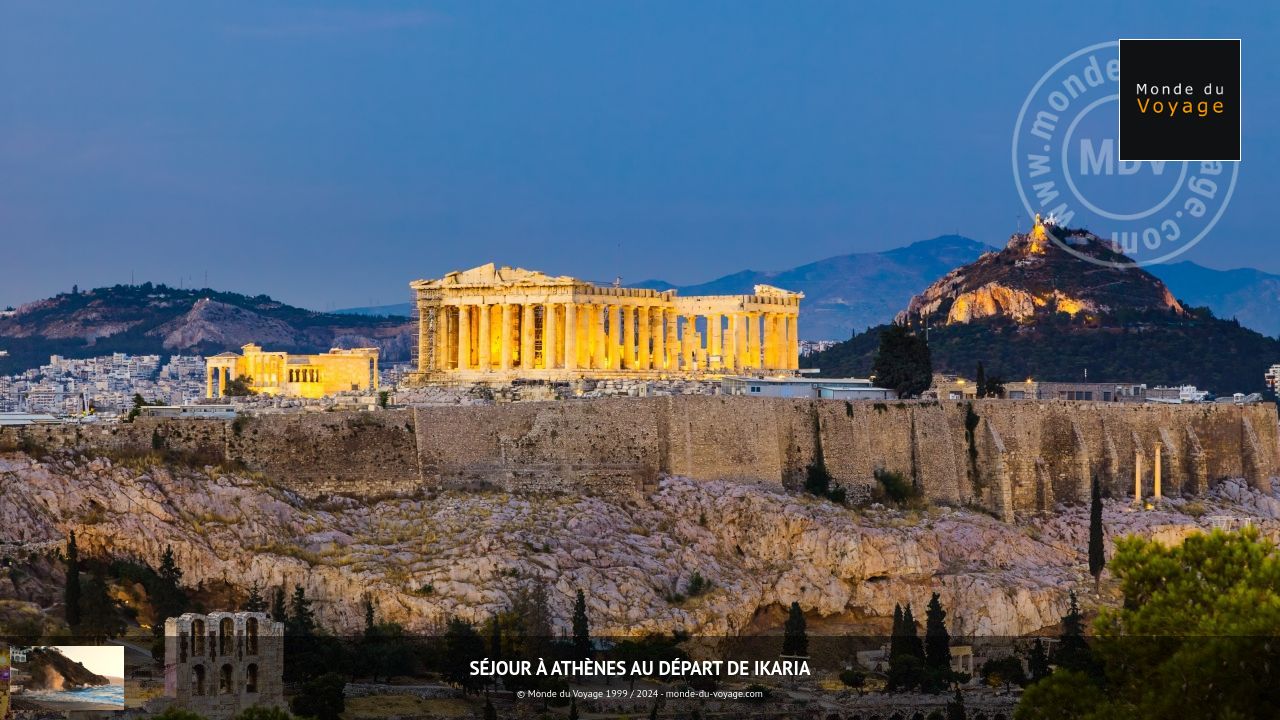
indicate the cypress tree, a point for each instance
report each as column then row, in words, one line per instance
column 1097, row 554
column 937, row 645
column 490, row 713
column 71, row 596
column 795, row 640
column 911, row 634
column 895, row 639
column 981, row 381
column 573, row 709
column 581, row 628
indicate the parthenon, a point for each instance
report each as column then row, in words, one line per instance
column 497, row 324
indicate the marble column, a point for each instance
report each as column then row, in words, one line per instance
column 549, row 340
column 730, row 345
column 505, row 339
column 769, row 339
column 753, row 340
column 642, row 343
column 658, row 329
column 485, row 339
column 527, row 341
column 715, row 344
column 673, row 340
column 689, row 343
column 570, row 336
column 208, row 381
column 464, row 337
column 599, row 341
column 444, row 338
column 424, row 320
column 614, row 359
column 628, row 337
column 793, row 341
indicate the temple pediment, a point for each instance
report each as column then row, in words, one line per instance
column 771, row 291
column 490, row 275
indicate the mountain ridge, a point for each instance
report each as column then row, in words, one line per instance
column 157, row 319
column 881, row 282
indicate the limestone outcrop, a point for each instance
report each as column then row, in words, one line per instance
column 428, row 556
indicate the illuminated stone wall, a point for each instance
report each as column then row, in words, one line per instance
column 1008, row 456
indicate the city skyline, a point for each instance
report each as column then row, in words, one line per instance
column 327, row 155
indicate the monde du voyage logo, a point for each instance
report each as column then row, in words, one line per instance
column 1134, row 140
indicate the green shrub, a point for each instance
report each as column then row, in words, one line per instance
column 895, row 487
column 853, row 678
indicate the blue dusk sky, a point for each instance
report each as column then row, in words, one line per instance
column 328, row 153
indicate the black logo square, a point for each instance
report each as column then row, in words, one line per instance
column 1179, row 99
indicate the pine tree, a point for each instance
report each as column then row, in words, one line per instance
column 302, row 621
column 903, row 362
column 937, row 645
column 278, row 611
column 795, row 640
column 581, row 628
column 1038, row 662
column 71, row 597
column 255, row 602
column 170, row 600
column 1073, row 652
column 99, row 620
column 1097, row 553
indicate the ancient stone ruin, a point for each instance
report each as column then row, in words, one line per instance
column 219, row 664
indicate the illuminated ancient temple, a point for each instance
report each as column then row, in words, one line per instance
column 273, row 372
column 501, row 324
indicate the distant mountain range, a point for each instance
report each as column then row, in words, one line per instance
column 849, row 293
column 155, row 319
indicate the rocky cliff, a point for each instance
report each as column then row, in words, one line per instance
column 432, row 555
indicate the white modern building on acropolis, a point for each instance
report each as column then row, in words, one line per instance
column 498, row 324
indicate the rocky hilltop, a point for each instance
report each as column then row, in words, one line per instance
column 1033, row 276
column 427, row 556
column 155, row 319
column 1035, row 309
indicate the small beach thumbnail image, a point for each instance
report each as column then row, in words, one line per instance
column 67, row 677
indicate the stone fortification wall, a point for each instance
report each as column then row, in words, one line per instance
column 1008, row 456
